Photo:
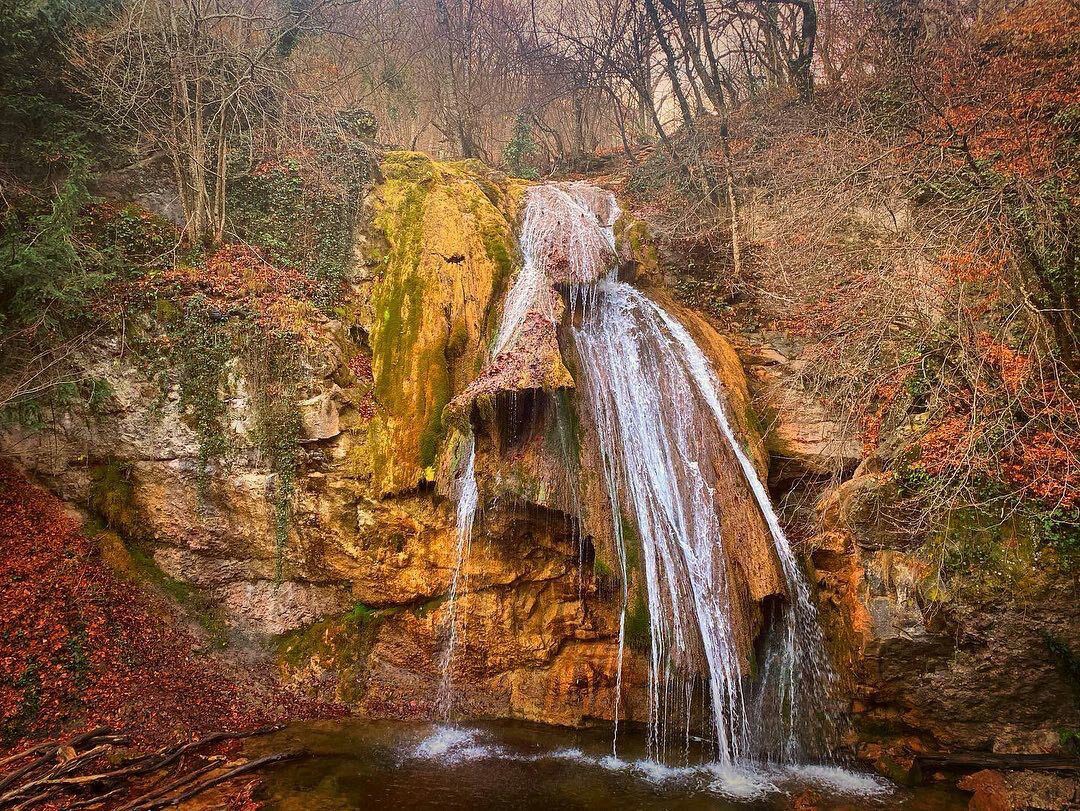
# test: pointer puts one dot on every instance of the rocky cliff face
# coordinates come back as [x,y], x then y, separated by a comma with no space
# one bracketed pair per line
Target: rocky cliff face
[305,500]
[960,638]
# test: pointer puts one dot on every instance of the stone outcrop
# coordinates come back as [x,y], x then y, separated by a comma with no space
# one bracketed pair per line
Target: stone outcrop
[935,658]
[1011,791]
[802,438]
[348,590]
[960,662]
[441,255]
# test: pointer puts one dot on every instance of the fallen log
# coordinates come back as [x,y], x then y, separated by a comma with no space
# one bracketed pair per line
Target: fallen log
[958,761]
[171,786]
[199,788]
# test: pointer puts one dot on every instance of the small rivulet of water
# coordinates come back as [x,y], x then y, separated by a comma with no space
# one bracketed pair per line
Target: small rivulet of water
[554,244]
[466,497]
[654,402]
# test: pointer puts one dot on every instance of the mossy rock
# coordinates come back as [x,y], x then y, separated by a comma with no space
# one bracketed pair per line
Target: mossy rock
[112,495]
[636,249]
[983,553]
[448,253]
[638,624]
[339,644]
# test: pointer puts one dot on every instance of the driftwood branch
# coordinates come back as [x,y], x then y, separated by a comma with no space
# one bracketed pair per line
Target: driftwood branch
[198,788]
[70,772]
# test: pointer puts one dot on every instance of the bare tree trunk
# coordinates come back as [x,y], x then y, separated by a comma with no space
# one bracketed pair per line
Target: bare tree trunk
[691,52]
[670,63]
[801,68]
[736,246]
[578,142]
[620,123]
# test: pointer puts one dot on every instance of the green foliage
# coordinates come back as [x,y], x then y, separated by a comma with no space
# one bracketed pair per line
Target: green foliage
[301,220]
[519,154]
[129,239]
[34,413]
[111,494]
[203,346]
[45,130]
[272,369]
[205,341]
[44,277]
[1060,529]
[1004,542]
[49,138]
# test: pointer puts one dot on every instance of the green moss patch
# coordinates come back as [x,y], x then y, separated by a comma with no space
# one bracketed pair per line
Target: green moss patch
[447,253]
[340,643]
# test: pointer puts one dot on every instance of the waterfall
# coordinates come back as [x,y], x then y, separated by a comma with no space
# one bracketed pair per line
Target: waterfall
[550,228]
[796,681]
[654,464]
[658,413]
[466,497]
[564,238]
[654,400]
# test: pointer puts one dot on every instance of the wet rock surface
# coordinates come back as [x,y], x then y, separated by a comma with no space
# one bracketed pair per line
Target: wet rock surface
[353,602]
[352,598]
[935,660]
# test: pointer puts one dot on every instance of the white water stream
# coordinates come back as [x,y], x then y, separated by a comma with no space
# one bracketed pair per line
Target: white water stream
[466,496]
[655,403]
[553,214]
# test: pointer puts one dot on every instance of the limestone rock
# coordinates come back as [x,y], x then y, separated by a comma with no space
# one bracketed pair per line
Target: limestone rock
[803,439]
[269,607]
[860,507]
[319,416]
[345,573]
[965,670]
[448,232]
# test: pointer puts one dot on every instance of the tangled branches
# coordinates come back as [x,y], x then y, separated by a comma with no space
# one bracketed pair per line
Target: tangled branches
[92,770]
[914,242]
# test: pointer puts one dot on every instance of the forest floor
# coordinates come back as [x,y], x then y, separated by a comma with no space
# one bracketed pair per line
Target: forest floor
[84,646]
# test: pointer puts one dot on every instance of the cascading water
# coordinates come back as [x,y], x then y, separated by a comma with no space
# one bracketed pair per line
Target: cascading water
[654,466]
[790,712]
[552,226]
[658,414]
[563,239]
[654,403]
[466,496]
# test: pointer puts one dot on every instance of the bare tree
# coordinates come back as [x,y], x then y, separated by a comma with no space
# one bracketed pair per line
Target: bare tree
[201,79]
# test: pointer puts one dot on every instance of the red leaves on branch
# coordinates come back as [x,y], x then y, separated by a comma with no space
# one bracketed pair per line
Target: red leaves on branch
[1012,101]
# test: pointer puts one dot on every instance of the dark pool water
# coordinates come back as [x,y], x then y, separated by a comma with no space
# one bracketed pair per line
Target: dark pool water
[383,765]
